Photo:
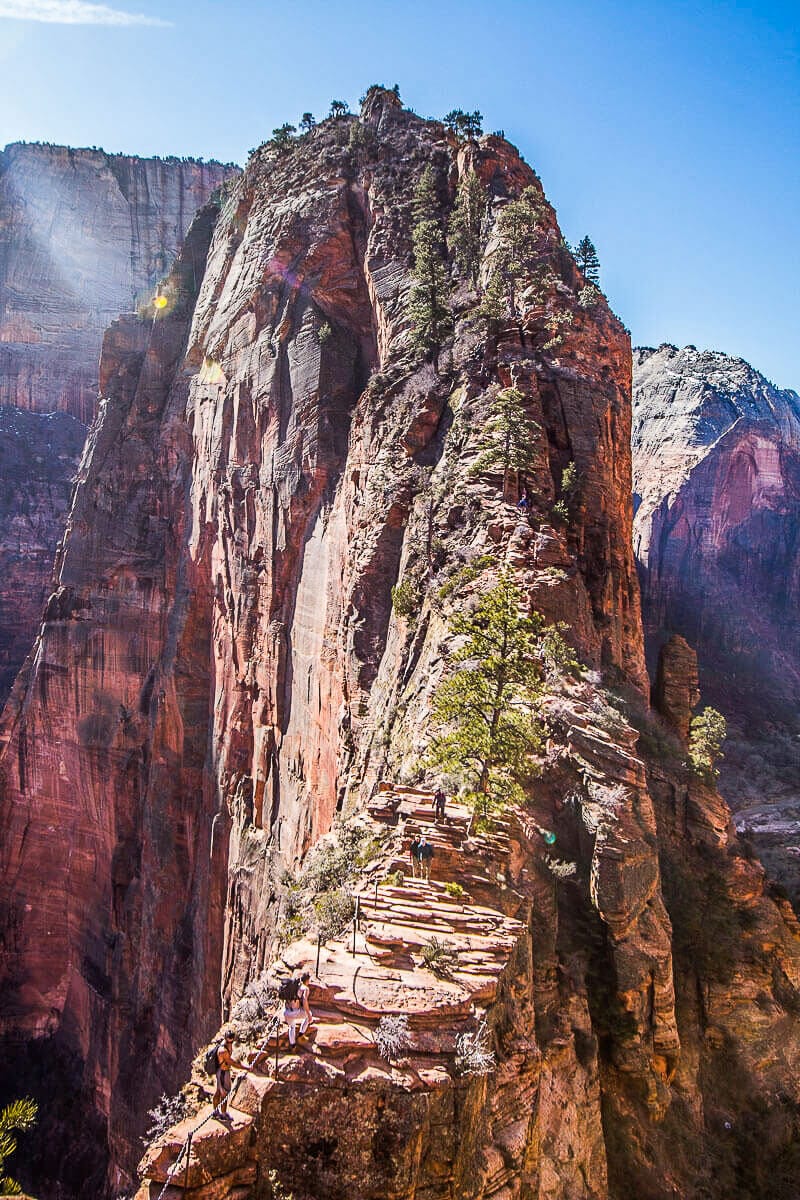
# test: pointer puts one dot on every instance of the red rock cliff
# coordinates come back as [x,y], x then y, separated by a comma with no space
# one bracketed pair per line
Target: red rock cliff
[221,669]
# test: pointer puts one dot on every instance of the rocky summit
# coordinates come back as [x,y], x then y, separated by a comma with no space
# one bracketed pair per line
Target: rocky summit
[217,756]
[716,463]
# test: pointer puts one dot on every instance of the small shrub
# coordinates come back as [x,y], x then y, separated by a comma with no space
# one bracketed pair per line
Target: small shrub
[569,479]
[392,1037]
[404,598]
[560,512]
[258,1000]
[455,890]
[395,879]
[168,1112]
[291,930]
[439,957]
[589,296]
[276,1189]
[333,912]
[473,1055]
[325,333]
[466,575]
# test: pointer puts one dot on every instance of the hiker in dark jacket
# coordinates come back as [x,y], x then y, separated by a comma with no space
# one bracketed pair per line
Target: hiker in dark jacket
[424,856]
[225,1061]
[439,801]
[413,850]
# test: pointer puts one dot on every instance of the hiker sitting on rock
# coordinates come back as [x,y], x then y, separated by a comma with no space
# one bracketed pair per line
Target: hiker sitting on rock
[413,850]
[225,1061]
[295,993]
[424,856]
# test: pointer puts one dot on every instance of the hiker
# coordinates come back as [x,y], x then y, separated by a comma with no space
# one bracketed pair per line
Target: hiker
[522,503]
[439,801]
[413,850]
[225,1061]
[424,856]
[297,1010]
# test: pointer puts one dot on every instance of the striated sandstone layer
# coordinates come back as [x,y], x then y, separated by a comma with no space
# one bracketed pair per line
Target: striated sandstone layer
[221,672]
[717,481]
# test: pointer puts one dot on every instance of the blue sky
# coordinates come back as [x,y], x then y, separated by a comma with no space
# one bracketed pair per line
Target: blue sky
[670,132]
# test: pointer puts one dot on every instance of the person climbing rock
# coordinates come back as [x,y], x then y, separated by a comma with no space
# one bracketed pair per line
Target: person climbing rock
[225,1061]
[522,503]
[297,1010]
[424,856]
[413,850]
[439,802]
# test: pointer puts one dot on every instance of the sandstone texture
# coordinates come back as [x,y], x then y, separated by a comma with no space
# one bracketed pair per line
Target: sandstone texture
[222,682]
[84,236]
[717,483]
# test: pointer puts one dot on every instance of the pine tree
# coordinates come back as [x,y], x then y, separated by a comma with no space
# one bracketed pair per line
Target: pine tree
[307,122]
[587,260]
[488,710]
[428,308]
[518,258]
[465,225]
[17,1117]
[338,109]
[510,435]
[282,137]
[707,734]
[467,127]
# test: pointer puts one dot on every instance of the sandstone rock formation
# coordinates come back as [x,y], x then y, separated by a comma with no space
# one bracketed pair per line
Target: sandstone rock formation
[222,671]
[676,692]
[84,236]
[717,480]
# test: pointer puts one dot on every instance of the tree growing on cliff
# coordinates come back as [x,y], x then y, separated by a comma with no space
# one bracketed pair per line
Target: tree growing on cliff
[17,1117]
[428,308]
[509,436]
[338,109]
[467,127]
[488,710]
[707,734]
[465,225]
[587,260]
[282,137]
[519,261]
[307,122]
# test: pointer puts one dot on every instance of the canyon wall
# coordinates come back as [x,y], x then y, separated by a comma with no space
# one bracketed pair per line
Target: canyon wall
[222,671]
[717,480]
[84,236]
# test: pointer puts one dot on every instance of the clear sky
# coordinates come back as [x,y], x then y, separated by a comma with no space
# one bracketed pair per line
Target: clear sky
[670,132]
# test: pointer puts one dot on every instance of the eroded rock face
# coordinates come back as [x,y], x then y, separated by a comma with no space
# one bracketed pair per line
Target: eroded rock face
[717,480]
[84,236]
[676,692]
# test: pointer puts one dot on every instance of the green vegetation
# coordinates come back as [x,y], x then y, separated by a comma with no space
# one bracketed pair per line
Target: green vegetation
[392,1037]
[569,479]
[333,912]
[488,710]
[318,900]
[325,333]
[510,433]
[464,231]
[338,109]
[17,1117]
[589,296]
[707,734]
[455,890]
[587,260]
[307,122]
[439,957]
[283,137]
[428,305]
[560,512]
[467,127]
[518,260]
[466,575]
[404,598]
[276,1189]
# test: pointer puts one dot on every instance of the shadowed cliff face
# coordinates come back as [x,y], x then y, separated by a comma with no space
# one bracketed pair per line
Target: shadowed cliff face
[221,669]
[717,471]
[84,236]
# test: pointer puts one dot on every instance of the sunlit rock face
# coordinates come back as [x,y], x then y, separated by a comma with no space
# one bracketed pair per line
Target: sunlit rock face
[84,236]
[222,669]
[716,452]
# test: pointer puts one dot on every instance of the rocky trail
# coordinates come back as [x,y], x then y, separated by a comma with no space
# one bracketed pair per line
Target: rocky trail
[373,970]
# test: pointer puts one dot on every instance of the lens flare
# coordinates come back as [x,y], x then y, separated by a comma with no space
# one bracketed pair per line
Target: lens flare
[160,302]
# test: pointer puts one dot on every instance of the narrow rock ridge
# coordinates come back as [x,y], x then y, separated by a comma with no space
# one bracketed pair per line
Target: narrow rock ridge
[222,671]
